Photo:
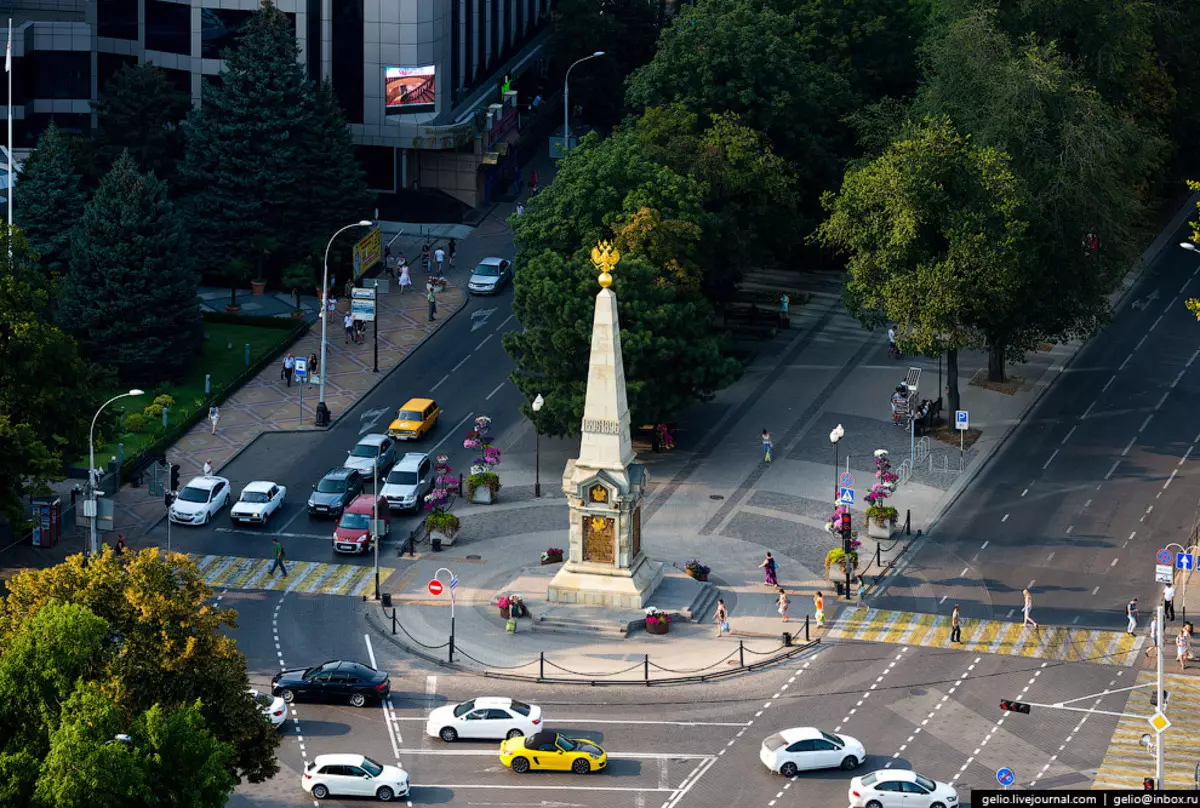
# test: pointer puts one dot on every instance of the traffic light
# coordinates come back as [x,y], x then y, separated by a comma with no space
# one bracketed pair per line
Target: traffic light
[846,526]
[169,498]
[1014,706]
[175,477]
[1148,783]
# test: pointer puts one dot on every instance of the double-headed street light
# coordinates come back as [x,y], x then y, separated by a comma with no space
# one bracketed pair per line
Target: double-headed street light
[93,477]
[537,405]
[835,437]
[567,101]
[322,410]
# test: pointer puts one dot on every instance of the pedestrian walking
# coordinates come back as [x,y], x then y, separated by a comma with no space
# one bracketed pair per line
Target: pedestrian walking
[279,556]
[451,250]
[1182,645]
[314,365]
[208,467]
[349,289]
[1027,610]
[767,445]
[770,571]
[214,415]
[1153,646]
[893,351]
[1131,613]
[862,593]
[121,544]
[520,208]
[956,625]
[782,604]
[405,280]
[1169,602]
[439,255]
[819,609]
[330,308]
[721,617]
[425,257]
[429,295]
[289,367]
[533,183]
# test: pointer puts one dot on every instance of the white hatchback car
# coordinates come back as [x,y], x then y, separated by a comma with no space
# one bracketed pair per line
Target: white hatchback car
[900,788]
[488,717]
[273,707]
[200,500]
[260,500]
[354,776]
[806,748]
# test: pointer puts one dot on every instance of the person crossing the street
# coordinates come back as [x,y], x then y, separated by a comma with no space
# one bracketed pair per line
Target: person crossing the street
[767,445]
[956,625]
[279,557]
[1169,601]
[819,609]
[1131,614]
[1027,610]
[1152,648]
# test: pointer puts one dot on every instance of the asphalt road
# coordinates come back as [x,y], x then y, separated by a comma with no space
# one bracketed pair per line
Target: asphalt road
[1097,478]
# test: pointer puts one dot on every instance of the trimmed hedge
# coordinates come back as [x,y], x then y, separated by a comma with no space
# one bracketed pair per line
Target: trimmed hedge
[261,321]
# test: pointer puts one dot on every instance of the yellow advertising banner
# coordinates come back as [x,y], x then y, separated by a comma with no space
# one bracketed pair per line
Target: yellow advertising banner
[368,252]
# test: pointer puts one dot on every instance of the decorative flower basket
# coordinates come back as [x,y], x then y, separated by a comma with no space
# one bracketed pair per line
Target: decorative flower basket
[482,495]
[836,563]
[553,555]
[482,483]
[881,531]
[697,570]
[657,622]
[881,521]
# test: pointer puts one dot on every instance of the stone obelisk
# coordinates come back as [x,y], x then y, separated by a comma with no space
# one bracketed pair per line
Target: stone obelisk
[604,486]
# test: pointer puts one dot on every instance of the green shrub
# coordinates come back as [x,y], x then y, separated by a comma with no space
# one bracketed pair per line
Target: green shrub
[838,556]
[153,411]
[165,401]
[135,422]
[487,479]
[445,522]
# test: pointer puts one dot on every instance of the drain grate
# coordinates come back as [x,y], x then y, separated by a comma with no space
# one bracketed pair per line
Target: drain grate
[474,558]
[716,496]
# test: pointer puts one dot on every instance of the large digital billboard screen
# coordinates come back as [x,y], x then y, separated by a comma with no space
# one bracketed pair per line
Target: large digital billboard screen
[410,89]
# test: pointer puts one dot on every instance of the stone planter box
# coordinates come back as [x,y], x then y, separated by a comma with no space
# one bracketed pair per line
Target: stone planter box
[555,559]
[483,496]
[877,531]
[446,538]
[699,576]
[658,628]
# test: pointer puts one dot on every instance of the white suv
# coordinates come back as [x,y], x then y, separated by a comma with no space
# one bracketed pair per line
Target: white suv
[408,481]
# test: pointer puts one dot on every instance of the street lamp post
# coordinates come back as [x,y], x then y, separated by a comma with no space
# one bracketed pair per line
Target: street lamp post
[322,409]
[537,405]
[567,101]
[835,437]
[93,546]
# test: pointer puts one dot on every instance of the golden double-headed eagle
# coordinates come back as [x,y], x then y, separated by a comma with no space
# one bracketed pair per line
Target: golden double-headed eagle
[605,258]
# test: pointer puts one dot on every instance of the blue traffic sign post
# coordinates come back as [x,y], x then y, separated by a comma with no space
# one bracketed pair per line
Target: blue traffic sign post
[847,480]
[1005,777]
[1163,556]
[846,496]
[1184,561]
[961,422]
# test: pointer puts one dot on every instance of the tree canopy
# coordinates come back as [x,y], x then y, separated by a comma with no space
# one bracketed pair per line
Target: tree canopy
[140,111]
[52,198]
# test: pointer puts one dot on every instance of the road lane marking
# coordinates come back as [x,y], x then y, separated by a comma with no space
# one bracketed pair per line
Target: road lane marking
[430,685]
[384,704]
[1177,378]
[1087,411]
[1162,400]
[262,534]
[1050,558]
[1156,322]
[1005,519]
[1051,460]
[1145,423]
[964,572]
[436,752]
[1095,589]
[1126,362]
[1128,446]
[589,720]
[1111,470]
[494,392]
[1108,384]
[418,787]
[1139,345]
[985,544]
[461,363]
[1169,479]
[1069,529]
[1026,491]
[1185,455]
[439,384]
[1114,562]
[1069,434]
[484,342]
[453,432]
[506,319]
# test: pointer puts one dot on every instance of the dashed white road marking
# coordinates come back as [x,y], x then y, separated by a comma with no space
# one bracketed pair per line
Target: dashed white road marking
[1005,519]
[439,384]
[494,392]
[1128,446]
[1069,434]
[1051,460]
[1108,384]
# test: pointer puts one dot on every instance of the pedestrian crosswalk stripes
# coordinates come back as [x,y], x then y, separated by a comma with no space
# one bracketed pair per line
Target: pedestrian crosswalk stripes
[1127,762]
[1059,643]
[232,572]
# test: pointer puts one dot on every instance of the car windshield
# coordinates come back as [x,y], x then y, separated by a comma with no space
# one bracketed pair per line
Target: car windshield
[464,708]
[925,783]
[565,744]
[373,768]
[402,478]
[364,450]
[255,496]
[191,494]
[355,521]
[328,486]
[831,737]
[488,270]
[408,415]
[521,707]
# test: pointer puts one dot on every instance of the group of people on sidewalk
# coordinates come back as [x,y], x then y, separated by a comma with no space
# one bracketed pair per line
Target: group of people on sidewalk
[1183,638]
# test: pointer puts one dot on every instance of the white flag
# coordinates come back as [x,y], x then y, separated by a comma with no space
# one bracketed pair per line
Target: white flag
[8,57]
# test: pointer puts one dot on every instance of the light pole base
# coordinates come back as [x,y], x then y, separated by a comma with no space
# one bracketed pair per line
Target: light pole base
[537,489]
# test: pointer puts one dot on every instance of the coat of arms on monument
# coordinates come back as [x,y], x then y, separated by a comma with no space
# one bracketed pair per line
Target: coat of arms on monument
[599,493]
[598,539]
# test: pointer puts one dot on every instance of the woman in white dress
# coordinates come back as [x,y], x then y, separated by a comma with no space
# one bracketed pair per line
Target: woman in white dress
[405,280]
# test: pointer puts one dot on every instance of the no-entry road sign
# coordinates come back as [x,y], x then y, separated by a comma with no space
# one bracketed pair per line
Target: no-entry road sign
[435,587]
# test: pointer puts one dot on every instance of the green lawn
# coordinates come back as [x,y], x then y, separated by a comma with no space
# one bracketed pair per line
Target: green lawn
[223,363]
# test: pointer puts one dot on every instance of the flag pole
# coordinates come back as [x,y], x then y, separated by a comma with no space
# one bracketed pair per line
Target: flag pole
[11,179]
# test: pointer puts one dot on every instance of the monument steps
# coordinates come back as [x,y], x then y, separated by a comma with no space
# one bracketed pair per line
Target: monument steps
[576,625]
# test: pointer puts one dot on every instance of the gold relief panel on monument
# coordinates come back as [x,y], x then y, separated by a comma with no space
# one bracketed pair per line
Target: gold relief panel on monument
[598,493]
[598,539]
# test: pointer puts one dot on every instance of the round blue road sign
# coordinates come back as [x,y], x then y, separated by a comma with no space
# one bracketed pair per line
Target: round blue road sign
[1165,556]
[1005,777]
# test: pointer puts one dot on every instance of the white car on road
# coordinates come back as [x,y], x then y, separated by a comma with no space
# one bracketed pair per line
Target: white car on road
[900,788]
[353,776]
[806,748]
[487,717]
[260,500]
[273,707]
[200,500]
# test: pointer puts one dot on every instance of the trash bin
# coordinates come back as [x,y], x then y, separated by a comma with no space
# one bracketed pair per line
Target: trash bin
[436,543]
[386,598]
[787,639]
[322,414]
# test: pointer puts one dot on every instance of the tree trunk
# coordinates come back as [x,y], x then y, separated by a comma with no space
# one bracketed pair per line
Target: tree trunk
[233,294]
[952,381]
[995,361]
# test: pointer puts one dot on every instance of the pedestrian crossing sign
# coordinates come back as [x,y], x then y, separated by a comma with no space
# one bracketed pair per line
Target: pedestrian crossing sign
[1160,722]
[846,496]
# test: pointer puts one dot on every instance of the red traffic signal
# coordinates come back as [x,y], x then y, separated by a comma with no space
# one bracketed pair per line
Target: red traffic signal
[1014,706]
[846,524]
[1148,783]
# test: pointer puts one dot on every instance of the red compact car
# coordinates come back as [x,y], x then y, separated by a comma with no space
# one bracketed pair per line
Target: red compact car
[353,533]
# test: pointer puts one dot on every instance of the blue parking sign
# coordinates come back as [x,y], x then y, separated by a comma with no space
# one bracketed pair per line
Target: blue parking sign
[1183,561]
[301,368]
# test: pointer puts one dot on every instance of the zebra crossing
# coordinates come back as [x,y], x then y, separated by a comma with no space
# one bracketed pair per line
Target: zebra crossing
[1060,643]
[233,572]
[1127,762]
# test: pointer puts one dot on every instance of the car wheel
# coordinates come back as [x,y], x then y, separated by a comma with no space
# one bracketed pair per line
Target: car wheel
[385,794]
[937,805]
[520,765]
[874,804]
[320,792]
[287,695]
[448,734]
[788,769]
[849,763]
[357,699]
[581,766]
[515,733]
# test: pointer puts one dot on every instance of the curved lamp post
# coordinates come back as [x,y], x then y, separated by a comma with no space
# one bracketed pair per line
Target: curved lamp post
[93,478]
[537,405]
[322,410]
[835,437]
[567,101]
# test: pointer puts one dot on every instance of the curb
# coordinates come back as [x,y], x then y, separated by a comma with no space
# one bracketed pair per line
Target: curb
[1131,281]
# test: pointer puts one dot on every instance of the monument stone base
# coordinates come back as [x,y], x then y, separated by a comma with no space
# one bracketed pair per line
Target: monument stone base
[601,585]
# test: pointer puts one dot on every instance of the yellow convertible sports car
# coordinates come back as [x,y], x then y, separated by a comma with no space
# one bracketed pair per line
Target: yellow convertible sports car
[550,751]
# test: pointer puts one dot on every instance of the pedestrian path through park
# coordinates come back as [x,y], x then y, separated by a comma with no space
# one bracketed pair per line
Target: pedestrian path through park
[232,572]
[1061,643]
[1127,762]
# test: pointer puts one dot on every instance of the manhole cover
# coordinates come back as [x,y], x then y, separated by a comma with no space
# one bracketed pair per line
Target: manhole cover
[473,558]
[716,496]
[917,691]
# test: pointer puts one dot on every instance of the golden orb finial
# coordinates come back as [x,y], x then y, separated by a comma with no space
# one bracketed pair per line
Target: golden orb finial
[605,258]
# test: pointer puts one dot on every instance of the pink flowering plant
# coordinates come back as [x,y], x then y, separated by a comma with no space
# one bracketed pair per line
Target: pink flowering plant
[884,487]
[654,617]
[482,473]
[440,498]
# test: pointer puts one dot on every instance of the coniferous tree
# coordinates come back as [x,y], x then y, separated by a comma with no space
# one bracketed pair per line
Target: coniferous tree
[130,295]
[51,199]
[140,110]
[335,180]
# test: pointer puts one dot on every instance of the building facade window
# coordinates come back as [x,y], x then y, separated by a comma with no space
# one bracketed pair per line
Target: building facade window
[59,74]
[26,131]
[312,47]
[348,30]
[117,19]
[497,26]
[109,65]
[218,30]
[168,27]
[455,49]
[379,165]
[181,79]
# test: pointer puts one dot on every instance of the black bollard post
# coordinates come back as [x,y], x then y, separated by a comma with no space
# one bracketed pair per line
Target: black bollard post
[541,665]
[741,654]
[393,619]
[806,638]
[908,522]
[646,669]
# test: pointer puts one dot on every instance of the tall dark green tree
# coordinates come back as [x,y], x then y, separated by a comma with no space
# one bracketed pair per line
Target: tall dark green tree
[141,111]
[336,184]
[130,296]
[51,198]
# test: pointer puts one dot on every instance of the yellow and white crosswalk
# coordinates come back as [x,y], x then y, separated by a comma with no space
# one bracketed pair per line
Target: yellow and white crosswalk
[1060,643]
[232,572]
[1126,762]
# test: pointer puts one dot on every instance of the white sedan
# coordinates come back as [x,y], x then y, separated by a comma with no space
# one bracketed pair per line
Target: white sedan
[353,776]
[900,788]
[806,748]
[488,717]
[260,500]
[200,500]
[274,708]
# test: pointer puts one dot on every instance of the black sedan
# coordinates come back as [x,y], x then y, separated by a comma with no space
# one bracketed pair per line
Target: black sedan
[336,680]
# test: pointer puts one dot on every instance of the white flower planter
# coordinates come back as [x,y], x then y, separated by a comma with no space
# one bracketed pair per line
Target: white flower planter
[446,539]
[876,531]
[482,496]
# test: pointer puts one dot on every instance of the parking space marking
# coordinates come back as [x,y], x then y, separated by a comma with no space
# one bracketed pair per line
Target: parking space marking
[613,755]
[418,787]
[589,720]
